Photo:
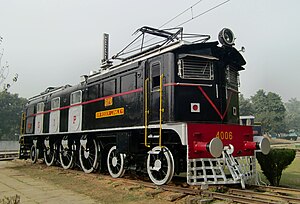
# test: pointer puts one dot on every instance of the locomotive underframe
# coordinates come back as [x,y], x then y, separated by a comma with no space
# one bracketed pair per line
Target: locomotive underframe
[200,171]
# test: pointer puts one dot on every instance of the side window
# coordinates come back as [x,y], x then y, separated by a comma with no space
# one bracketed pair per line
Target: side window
[55,103]
[40,107]
[109,87]
[155,74]
[30,111]
[93,92]
[76,97]
[128,82]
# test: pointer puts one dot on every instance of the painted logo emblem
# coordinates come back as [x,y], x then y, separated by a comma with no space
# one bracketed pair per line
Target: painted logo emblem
[108,101]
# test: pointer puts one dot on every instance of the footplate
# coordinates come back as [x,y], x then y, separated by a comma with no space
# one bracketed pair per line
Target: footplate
[225,170]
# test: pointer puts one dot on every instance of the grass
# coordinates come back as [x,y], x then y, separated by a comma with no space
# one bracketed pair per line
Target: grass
[291,175]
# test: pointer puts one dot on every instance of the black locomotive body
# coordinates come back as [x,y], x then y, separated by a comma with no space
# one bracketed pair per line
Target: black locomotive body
[169,109]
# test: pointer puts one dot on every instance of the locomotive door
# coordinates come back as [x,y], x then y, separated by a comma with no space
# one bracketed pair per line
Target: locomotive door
[29,119]
[154,91]
[54,116]
[75,112]
[39,118]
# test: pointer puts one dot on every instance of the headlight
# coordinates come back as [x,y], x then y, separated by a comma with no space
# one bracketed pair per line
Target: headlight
[226,37]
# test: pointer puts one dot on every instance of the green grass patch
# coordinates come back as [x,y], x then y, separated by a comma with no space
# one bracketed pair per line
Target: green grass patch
[291,175]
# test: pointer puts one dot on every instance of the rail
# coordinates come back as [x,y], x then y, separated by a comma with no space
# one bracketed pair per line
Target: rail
[265,196]
[282,190]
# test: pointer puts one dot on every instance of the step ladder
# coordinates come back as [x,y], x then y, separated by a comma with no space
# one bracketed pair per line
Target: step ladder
[233,166]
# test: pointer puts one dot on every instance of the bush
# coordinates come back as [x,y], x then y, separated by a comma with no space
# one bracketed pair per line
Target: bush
[275,162]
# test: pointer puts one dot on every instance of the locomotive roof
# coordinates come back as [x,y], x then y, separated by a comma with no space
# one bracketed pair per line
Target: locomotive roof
[134,60]
[129,63]
[174,42]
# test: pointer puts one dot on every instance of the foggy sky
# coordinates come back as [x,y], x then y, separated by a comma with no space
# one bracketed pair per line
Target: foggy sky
[53,42]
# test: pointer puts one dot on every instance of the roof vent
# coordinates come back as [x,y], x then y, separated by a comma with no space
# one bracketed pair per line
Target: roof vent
[83,78]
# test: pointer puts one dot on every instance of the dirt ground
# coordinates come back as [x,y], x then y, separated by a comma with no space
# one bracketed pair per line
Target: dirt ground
[37,183]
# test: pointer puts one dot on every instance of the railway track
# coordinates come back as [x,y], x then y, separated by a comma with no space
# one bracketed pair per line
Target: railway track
[267,195]
[254,194]
[280,190]
[8,155]
[257,194]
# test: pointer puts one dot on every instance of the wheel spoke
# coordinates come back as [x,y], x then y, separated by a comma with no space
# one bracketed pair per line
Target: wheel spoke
[90,161]
[68,156]
[91,155]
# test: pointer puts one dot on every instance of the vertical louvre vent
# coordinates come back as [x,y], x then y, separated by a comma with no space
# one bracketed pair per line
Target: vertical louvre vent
[194,68]
[232,76]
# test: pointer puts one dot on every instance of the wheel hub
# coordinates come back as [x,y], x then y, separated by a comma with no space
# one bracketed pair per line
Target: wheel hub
[114,161]
[48,151]
[86,154]
[65,153]
[157,165]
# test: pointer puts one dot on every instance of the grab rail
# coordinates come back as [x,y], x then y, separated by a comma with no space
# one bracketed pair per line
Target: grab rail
[146,110]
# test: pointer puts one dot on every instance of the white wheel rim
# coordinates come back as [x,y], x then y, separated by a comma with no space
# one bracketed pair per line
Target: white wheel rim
[156,167]
[115,163]
[89,163]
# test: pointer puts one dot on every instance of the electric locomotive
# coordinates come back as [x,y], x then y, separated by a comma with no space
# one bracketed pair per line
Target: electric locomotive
[167,108]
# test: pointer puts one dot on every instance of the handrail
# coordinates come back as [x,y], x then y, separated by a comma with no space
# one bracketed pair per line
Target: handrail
[161,110]
[22,126]
[146,110]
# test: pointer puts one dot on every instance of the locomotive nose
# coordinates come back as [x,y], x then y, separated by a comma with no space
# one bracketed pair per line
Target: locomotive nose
[214,147]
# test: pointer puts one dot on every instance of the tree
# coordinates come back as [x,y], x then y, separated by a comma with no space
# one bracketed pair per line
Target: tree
[270,111]
[293,114]
[4,72]
[11,106]
[246,107]
[275,162]
[259,101]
